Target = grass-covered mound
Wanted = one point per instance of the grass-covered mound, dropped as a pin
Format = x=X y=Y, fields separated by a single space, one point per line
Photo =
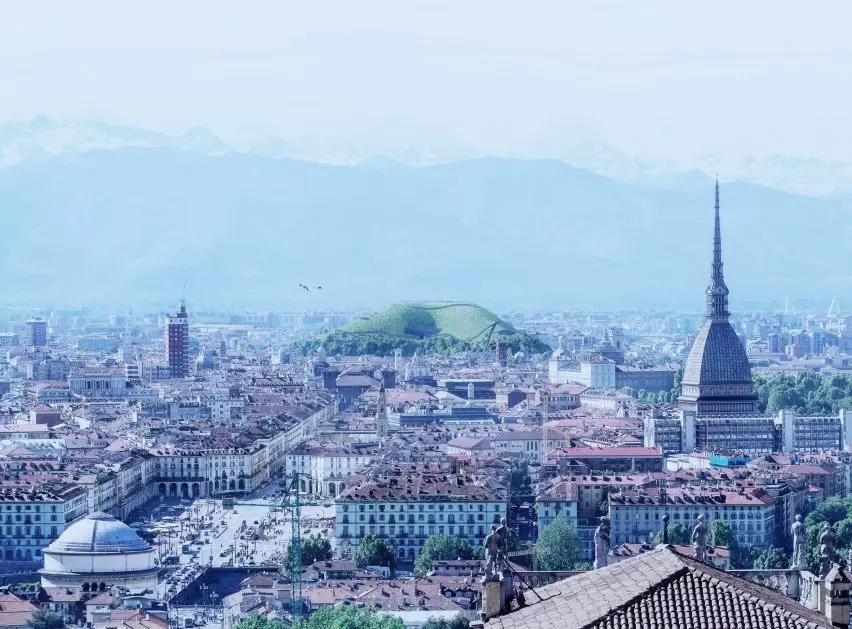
x=431 y=327
x=464 y=322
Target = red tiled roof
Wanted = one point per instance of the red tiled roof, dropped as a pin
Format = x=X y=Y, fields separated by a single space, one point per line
x=660 y=588
x=607 y=452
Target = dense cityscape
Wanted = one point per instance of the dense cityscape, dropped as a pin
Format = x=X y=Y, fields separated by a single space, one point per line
x=229 y=469
x=425 y=314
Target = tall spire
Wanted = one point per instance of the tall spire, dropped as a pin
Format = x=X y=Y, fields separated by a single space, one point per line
x=717 y=291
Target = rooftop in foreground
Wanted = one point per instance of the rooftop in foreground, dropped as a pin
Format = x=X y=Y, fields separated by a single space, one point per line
x=660 y=588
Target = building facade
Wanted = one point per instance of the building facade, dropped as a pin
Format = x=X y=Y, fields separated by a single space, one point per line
x=35 y=333
x=32 y=518
x=177 y=343
x=409 y=503
x=637 y=516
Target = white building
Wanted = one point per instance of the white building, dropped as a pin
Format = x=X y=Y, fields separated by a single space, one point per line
x=411 y=502
x=30 y=518
x=596 y=373
x=99 y=552
x=324 y=466
x=100 y=383
x=636 y=516
x=528 y=444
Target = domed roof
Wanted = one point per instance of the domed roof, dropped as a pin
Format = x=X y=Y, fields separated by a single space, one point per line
x=717 y=357
x=99 y=533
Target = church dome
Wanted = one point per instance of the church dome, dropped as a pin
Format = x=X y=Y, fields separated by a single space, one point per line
x=717 y=357
x=717 y=374
x=99 y=533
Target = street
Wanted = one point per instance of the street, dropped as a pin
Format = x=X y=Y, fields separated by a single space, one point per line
x=253 y=532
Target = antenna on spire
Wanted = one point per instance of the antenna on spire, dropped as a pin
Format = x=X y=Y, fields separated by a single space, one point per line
x=717 y=291
x=717 y=192
x=833 y=309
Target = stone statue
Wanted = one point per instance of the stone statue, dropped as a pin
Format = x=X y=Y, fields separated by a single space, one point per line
x=502 y=545
x=800 y=544
x=699 y=539
x=602 y=542
x=491 y=550
x=827 y=554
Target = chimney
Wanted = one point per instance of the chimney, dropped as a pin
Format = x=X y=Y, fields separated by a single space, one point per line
x=836 y=592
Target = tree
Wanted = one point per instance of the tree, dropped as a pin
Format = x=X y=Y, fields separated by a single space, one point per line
x=256 y=621
x=314 y=548
x=676 y=385
x=843 y=533
x=520 y=482
x=719 y=534
x=459 y=621
x=743 y=558
x=49 y=620
x=772 y=559
x=831 y=510
x=444 y=547
x=678 y=535
x=374 y=551
x=348 y=617
x=558 y=546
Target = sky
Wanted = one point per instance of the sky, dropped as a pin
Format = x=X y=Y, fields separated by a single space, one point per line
x=662 y=80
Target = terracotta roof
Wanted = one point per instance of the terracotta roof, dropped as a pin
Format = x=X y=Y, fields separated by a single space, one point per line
x=14 y=612
x=660 y=588
x=607 y=452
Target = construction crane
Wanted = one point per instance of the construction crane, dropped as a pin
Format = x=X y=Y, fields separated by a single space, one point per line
x=295 y=567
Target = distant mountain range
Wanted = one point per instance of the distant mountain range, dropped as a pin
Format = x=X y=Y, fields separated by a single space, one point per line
x=45 y=137
x=136 y=223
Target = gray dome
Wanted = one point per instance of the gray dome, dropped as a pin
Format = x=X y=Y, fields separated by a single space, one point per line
x=99 y=533
x=717 y=357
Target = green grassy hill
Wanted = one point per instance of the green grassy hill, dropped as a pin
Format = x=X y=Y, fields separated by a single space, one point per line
x=465 y=322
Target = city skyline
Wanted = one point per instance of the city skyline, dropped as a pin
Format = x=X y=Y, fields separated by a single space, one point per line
x=425 y=315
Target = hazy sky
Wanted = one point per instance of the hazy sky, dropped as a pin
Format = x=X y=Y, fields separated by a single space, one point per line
x=658 y=79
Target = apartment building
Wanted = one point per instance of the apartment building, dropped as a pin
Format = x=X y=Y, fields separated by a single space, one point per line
x=323 y=466
x=637 y=516
x=408 y=503
x=32 y=517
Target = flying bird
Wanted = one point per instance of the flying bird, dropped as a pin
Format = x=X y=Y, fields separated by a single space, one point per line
x=319 y=287
x=305 y=287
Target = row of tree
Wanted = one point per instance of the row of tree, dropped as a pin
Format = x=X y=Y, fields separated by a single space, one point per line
x=349 y=344
x=806 y=393
x=719 y=533
x=650 y=397
x=836 y=511
x=348 y=617
x=559 y=548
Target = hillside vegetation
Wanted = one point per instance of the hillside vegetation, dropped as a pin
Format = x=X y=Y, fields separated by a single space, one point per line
x=464 y=322
x=440 y=328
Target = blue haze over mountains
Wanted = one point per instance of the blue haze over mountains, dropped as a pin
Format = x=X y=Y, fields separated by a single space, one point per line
x=118 y=216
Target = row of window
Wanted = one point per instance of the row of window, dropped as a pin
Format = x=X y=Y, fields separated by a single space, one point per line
x=421 y=507
x=18 y=531
x=421 y=530
x=751 y=514
x=35 y=508
x=480 y=517
x=26 y=519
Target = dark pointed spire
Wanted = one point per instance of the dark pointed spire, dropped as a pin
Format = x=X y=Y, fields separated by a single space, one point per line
x=717 y=291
